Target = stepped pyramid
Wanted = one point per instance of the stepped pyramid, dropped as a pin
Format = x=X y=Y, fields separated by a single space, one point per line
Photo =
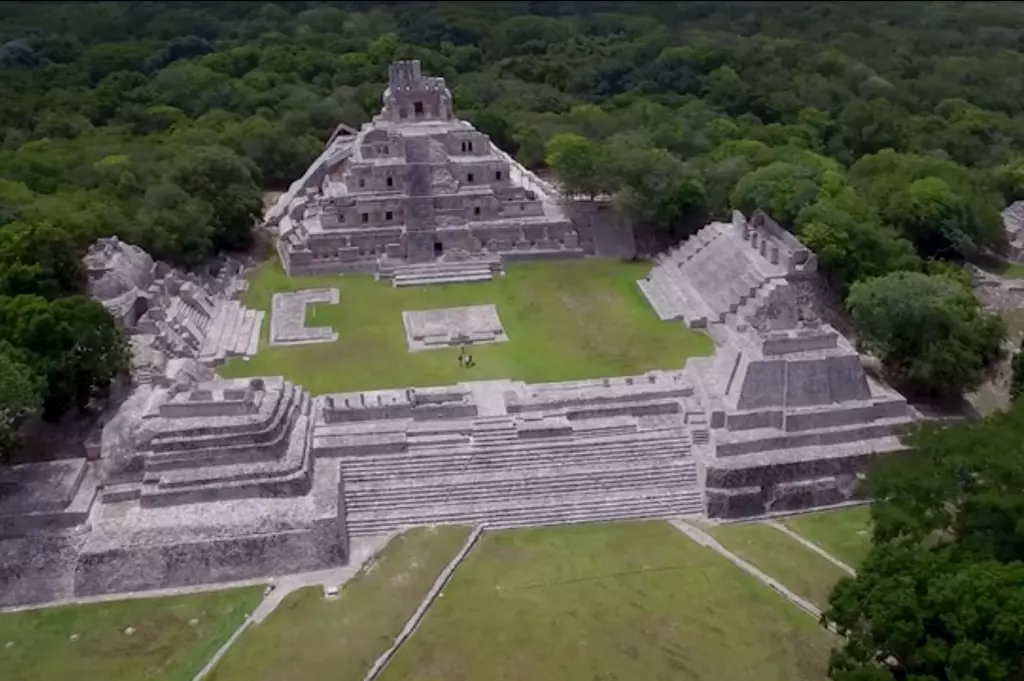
x=794 y=418
x=416 y=186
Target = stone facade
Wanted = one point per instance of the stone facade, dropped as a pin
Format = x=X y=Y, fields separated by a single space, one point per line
x=417 y=185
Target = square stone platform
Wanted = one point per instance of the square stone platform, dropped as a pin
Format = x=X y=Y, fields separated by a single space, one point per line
x=450 y=326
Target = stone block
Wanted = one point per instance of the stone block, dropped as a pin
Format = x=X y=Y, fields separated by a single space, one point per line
x=452 y=326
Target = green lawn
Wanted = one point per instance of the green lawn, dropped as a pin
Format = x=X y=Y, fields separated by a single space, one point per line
x=845 y=533
x=565 y=320
x=165 y=644
x=309 y=639
x=629 y=601
x=784 y=558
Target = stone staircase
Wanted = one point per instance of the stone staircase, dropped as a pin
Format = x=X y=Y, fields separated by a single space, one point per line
x=422 y=274
x=490 y=474
x=706 y=280
x=235 y=331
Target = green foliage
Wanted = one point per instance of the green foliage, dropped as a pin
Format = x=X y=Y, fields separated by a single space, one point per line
x=939 y=596
x=1017 y=378
x=20 y=393
x=930 y=331
x=72 y=343
x=38 y=260
x=927 y=615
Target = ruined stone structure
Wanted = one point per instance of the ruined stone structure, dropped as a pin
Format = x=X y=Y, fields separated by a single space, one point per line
x=1013 y=225
x=200 y=479
x=418 y=196
x=167 y=314
x=288 y=317
x=794 y=418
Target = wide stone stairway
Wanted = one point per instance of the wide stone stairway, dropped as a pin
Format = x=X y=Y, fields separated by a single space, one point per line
x=710 y=279
x=488 y=470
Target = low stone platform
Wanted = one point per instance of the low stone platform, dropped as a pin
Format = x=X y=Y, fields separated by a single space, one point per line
x=48 y=496
x=450 y=326
x=288 y=317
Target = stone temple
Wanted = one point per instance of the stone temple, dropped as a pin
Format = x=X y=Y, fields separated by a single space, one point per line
x=197 y=479
x=419 y=195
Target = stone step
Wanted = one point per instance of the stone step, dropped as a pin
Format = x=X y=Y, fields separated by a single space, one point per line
x=440 y=267
x=425 y=280
x=566 y=445
x=187 y=449
x=581 y=508
x=291 y=475
x=547 y=483
x=404 y=464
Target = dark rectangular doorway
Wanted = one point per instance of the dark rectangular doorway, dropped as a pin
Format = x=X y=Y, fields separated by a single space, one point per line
x=438 y=249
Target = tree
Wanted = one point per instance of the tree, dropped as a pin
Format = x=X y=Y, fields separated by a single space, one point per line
x=928 y=615
x=72 y=343
x=225 y=181
x=1009 y=179
x=174 y=226
x=20 y=393
x=850 y=240
x=38 y=260
x=1017 y=379
x=582 y=166
x=931 y=332
x=941 y=595
x=934 y=217
x=781 y=189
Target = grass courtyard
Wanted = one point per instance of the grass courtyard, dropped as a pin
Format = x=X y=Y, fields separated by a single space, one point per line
x=797 y=567
x=173 y=638
x=845 y=533
x=615 y=601
x=565 y=321
x=309 y=639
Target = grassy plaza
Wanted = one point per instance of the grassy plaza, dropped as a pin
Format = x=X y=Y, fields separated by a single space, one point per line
x=612 y=601
x=795 y=566
x=565 y=320
x=172 y=637
x=308 y=638
x=845 y=532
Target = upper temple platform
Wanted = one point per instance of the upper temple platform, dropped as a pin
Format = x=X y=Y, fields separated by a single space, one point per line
x=416 y=185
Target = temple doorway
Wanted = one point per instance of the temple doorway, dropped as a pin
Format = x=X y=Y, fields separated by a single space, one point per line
x=438 y=248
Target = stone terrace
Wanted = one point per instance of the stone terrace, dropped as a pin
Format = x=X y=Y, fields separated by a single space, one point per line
x=582 y=451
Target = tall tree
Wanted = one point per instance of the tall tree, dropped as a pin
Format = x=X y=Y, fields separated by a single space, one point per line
x=930 y=331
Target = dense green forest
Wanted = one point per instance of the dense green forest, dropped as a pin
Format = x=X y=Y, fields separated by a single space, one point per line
x=888 y=136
